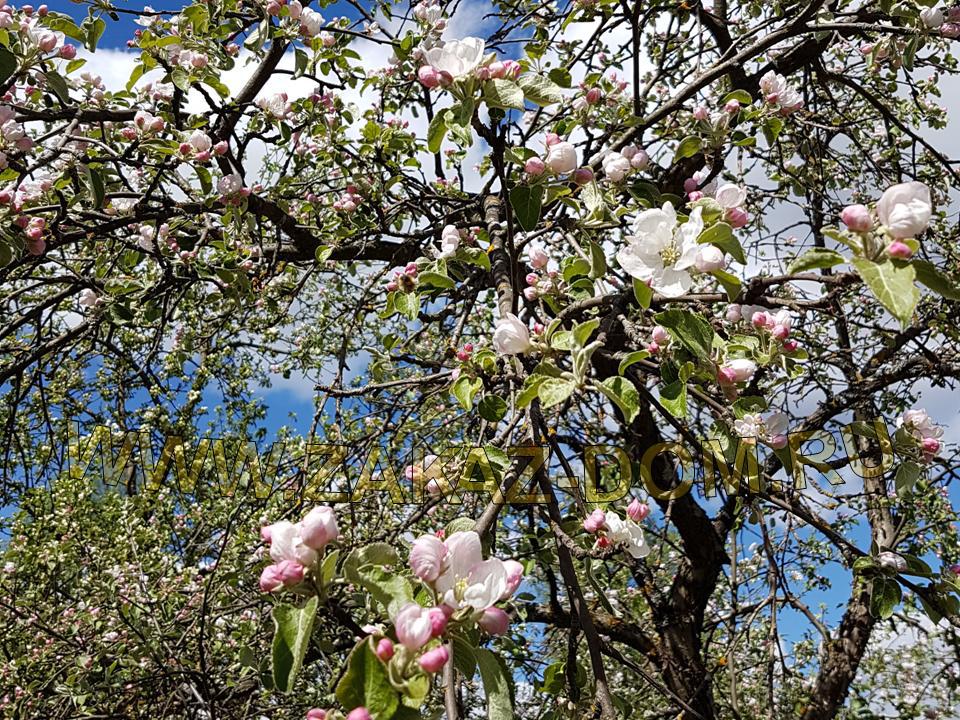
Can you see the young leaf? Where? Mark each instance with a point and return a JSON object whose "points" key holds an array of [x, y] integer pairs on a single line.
{"points": [[690, 330], [642, 292], [437, 131], [290, 640], [504, 94], [496, 685], [940, 283], [622, 392], [688, 147], [539, 90], [892, 283], [527, 201], [554, 391], [366, 683], [816, 258]]}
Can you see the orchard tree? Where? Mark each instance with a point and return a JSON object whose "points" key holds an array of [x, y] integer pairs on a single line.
{"points": [[615, 317]]}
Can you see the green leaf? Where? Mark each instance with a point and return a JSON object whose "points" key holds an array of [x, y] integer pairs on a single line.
{"points": [[722, 236], [540, 90], [561, 76], [8, 63], [771, 129], [554, 391], [642, 292], [437, 130], [496, 685], [366, 683], [690, 330], [290, 640], [940, 283], [464, 389], [527, 201], [407, 304], [885, 595], [741, 96], [58, 84], [95, 30], [688, 147], [530, 390], [373, 568], [816, 258], [631, 358], [673, 397], [598, 261], [907, 475], [623, 393], [583, 331], [892, 282], [435, 279], [503, 94], [95, 185], [492, 408], [730, 282]]}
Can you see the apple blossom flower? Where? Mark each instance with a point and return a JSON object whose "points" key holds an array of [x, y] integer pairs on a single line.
{"points": [[616, 166], [919, 424], [595, 522], [511, 336], [932, 17], [467, 580], [432, 661], [710, 258], [892, 561], [413, 626], [319, 527], [311, 22], [287, 544], [857, 218], [230, 184], [730, 196], [276, 105], [494, 621], [449, 241], [562, 158], [637, 510], [427, 557], [905, 209], [661, 252], [738, 370], [627, 533], [457, 58], [777, 91], [771, 429], [537, 256], [88, 298]]}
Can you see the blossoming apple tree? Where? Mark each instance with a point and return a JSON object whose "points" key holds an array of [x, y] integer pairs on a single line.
{"points": [[694, 235]]}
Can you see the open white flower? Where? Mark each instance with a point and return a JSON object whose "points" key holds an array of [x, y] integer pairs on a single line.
{"points": [[467, 579], [628, 534], [660, 251], [905, 209], [511, 336], [458, 58]]}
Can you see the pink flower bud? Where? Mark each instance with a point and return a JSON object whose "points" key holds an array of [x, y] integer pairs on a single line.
{"points": [[497, 69], [660, 335], [36, 246], [221, 148], [899, 249], [513, 68], [594, 96], [68, 52], [185, 148], [514, 577], [690, 184], [532, 279], [581, 176], [534, 166], [266, 533], [429, 76], [732, 107], [700, 113], [733, 313], [726, 375], [438, 621], [319, 527], [463, 355], [791, 345], [552, 139], [271, 578], [778, 442], [316, 714], [431, 661], [950, 30], [426, 557], [392, 286], [930, 445], [709, 258], [737, 217], [640, 160], [595, 522], [760, 319], [291, 572], [494, 621], [780, 332], [538, 328], [637, 510], [411, 269], [360, 713], [857, 218], [385, 649]]}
